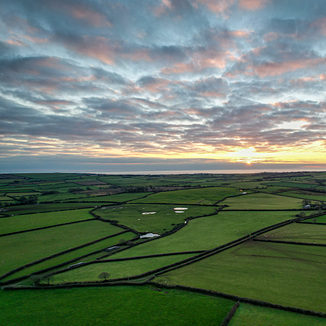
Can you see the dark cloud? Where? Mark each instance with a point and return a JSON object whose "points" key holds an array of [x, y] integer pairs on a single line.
{"points": [[161, 78]]}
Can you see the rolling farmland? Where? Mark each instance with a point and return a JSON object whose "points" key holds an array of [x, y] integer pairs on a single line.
{"points": [[199, 242]]}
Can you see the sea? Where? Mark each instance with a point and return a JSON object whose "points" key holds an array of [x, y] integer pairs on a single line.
{"points": [[247, 171]]}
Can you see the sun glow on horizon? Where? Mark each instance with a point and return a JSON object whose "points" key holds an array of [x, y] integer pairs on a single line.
{"points": [[246, 155]]}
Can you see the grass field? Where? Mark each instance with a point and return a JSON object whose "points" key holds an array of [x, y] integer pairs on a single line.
{"points": [[298, 232], [75, 254], [114, 306], [164, 219], [305, 195], [117, 269], [262, 201], [254, 315], [30, 246], [114, 198], [60, 196], [203, 196], [319, 219], [287, 184], [5, 198], [280, 273], [209, 232], [286, 274], [32, 221], [51, 207]]}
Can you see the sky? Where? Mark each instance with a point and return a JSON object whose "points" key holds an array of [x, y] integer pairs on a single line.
{"points": [[109, 86]]}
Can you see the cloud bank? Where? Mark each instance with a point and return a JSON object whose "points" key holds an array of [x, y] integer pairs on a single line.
{"points": [[182, 79]]}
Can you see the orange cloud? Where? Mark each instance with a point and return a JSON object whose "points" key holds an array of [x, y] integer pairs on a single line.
{"points": [[199, 61], [138, 55], [279, 68], [52, 63], [252, 4], [99, 48], [320, 24], [165, 5], [156, 86], [15, 42], [240, 33], [91, 16], [220, 6]]}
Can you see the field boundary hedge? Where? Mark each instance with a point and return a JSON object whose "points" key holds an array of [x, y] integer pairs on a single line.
{"points": [[221, 248], [113, 222], [42, 271], [240, 299], [151, 256], [317, 223], [231, 313], [293, 242], [126, 278], [176, 287], [46, 227], [9, 213], [189, 260], [175, 229], [57, 254]]}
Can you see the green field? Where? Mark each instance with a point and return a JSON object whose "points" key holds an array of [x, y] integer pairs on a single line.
{"points": [[203, 196], [286, 274], [319, 219], [298, 232], [118, 269], [32, 221], [5, 198], [287, 184], [114, 198], [261, 201], [254, 315], [30, 246], [65, 258], [209, 232], [203, 211], [306, 195], [61, 196], [51, 207], [114, 306], [163, 219]]}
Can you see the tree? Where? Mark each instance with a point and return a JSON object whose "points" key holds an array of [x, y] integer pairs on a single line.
{"points": [[36, 279], [47, 278], [104, 276]]}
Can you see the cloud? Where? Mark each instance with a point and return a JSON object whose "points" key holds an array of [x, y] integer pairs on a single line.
{"points": [[222, 6], [253, 4], [171, 78]]}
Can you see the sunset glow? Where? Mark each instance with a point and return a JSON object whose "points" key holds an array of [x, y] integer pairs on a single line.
{"points": [[193, 83]]}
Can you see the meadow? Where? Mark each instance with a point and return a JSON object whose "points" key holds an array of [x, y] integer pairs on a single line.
{"points": [[255, 315], [209, 232], [262, 201], [157, 218], [285, 274], [33, 221], [203, 196], [318, 219], [204, 242], [298, 232], [111, 306], [21, 249]]}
